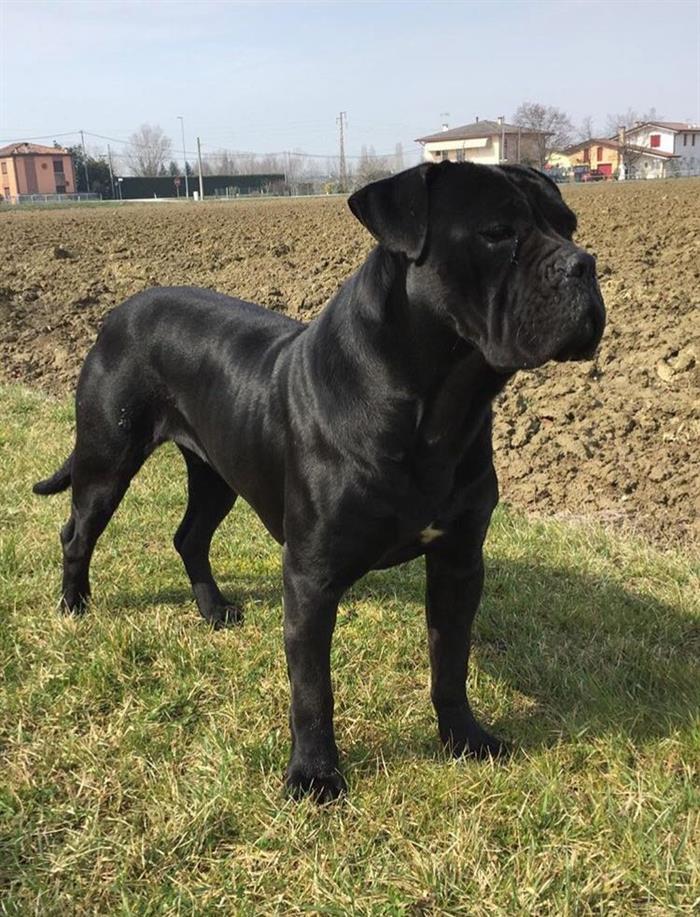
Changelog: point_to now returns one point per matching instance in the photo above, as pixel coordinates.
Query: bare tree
(586, 129)
(628, 119)
(149, 148)
(371, 167)
(556, 129)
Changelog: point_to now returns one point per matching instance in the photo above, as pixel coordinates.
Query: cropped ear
(395, 210)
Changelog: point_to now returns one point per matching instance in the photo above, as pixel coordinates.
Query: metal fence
(53, 198)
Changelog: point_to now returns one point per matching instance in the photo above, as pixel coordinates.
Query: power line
(214, 153)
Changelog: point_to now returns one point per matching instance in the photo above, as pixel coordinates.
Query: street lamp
(184, 154)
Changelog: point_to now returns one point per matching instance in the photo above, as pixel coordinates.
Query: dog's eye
(498, 233)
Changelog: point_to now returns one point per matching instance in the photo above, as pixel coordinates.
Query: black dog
(363, 439)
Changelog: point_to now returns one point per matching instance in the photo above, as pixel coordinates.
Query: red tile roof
(25, 149)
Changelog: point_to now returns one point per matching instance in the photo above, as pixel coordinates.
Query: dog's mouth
(584, 344)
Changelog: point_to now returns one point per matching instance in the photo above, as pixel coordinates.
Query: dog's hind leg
(100, 476)
(209, 500)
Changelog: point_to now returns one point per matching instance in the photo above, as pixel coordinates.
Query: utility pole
(201, 180)
(111, 171)
(184, 155)
(342, 120)
(87, 180)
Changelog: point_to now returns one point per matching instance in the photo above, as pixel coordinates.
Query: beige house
(484, 142)
(27, 168)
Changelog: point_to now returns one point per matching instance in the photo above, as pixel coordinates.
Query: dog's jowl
(362, 439)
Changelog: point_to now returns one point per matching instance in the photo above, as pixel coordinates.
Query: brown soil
(615, 439)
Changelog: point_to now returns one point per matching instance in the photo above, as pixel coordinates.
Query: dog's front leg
(310, 609)
(454, 581)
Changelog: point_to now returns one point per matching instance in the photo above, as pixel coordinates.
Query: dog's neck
(428, 364)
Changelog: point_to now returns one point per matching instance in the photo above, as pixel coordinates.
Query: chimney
(445, 126)
(500, 120)
(621, 134)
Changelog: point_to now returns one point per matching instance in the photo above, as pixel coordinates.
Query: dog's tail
(59, 480)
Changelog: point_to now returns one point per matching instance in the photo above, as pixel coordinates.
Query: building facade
(606, 157)
(484, 142)
(679, 138)
(27, 168)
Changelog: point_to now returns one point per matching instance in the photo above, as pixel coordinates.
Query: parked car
(557, 174)
(594, 175)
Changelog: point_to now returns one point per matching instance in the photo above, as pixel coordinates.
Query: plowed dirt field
(615, 439)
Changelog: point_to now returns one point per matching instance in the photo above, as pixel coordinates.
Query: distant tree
(628, 119)
(98, 172)
(370, 167)
(555, 124)
(188, 169)
(149, 148)
(398, 163)
(586, 129)
(173, 169)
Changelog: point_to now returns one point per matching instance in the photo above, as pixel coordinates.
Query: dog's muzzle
(586, 303)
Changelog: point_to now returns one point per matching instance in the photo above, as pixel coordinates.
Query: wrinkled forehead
(479, 194)
(544, 196)
(501, 194)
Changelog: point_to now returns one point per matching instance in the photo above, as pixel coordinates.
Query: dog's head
(490, 249)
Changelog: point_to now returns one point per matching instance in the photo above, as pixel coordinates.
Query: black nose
(580, 264)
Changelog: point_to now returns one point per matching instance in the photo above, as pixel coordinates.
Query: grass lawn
(141, 753)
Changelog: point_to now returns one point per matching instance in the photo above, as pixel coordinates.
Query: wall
(485, 150)
(33, 173)
(136, 187)
(642, 137)
(8, 178)
(486, 153)
(688, 151)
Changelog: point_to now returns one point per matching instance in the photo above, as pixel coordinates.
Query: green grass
(141, 753)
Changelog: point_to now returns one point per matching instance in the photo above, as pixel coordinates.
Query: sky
(268, 76)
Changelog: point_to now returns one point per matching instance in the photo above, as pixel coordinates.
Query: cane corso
(361, 439)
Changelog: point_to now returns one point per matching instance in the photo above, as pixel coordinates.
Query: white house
(678, 138)
(485, 142)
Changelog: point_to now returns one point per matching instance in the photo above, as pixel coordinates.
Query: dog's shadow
(568, 655)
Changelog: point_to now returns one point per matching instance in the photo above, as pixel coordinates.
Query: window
(693, 142)
(685, 140)
(460, 155)
(58, 165)
(60, 189)
(599, 155)
(655, 140)
(587, 155)
(445, 155)
(7, 193)
(4, 168)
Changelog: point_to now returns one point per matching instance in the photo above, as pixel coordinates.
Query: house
(679, 138)
(27, 168)
(605, 156)
(484, 142)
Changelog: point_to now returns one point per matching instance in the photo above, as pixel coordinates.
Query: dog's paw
(322, 788)
(220, 616)
(479, 744)
(74, 604)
